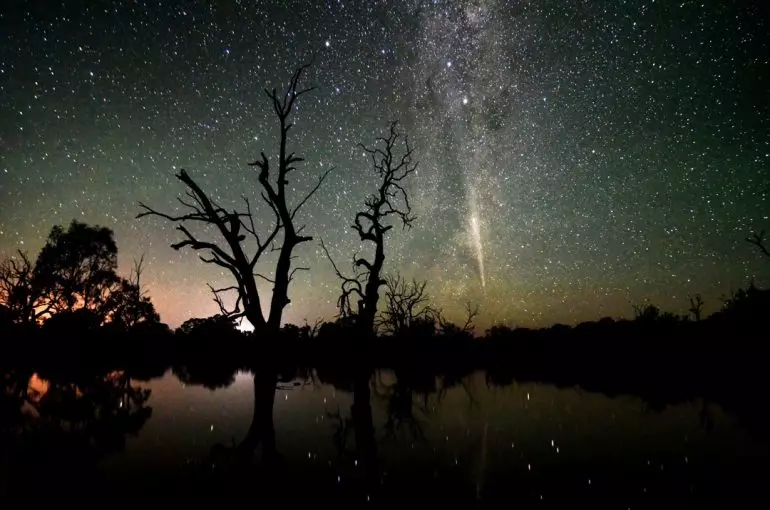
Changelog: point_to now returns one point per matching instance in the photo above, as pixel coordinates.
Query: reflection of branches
(401, 417)
(473, 403)
(343, 429)
(401, 404)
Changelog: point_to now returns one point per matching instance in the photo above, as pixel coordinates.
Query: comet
(475, 237)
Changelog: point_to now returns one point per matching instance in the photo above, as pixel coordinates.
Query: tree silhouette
(468, 328)
(128, 305)
(22, 300)
(696, 306)
(76, 268)
(74, 275)
(746, 306)
(233, 227)
(405, 304)
(217, 326)
(391, 200)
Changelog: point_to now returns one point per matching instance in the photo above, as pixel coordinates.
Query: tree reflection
(212, 376)
(57, 425)
(363, 423)
(402, 410)
(262, 429)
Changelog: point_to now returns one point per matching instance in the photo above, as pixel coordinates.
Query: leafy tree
(74, 271)
(216, 326)
(746, 306)
(76, 268)
(79, 322)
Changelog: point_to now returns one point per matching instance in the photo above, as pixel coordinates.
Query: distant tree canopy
(74, 272)
(746, 306)
(216, 326)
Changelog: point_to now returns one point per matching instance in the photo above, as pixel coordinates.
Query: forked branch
(758, 240)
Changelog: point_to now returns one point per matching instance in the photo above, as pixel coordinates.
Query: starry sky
(576, 157)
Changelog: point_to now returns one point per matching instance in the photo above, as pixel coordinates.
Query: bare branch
(321, 179)
(258, 275)
(470, 314)
(406, 303)
(758, 240)
(293, 271)
(236, 312)
(696, 306)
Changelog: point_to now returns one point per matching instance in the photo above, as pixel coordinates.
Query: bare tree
(128, 304)
(390, 202)
(234, 227)
(758, 240)
(696, 306)
(18, 290)
(405, 303)
(471, 312)
(468, 327)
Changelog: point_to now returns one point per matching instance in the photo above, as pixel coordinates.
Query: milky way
(575, 158)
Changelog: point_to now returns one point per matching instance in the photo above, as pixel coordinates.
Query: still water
(470, 442)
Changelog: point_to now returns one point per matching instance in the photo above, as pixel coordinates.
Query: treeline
(71, 305)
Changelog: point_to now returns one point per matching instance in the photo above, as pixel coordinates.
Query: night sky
(575, 157)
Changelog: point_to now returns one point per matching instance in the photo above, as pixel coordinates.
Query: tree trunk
(262, 428)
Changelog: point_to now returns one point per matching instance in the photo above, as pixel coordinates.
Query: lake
(399, 439)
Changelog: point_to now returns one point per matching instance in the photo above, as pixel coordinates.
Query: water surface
(466, 442)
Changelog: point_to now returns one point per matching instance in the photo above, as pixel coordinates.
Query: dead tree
(233, 227)
(19, 291)
(696, 306)
(405, 304)
(389, 205)
(758, 240)
(471, 312)
(468, 328)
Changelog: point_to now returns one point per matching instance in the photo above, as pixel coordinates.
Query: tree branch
(759, 241)
(321, 179)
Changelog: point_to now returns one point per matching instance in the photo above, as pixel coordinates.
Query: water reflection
(380, 437)
(66, 426)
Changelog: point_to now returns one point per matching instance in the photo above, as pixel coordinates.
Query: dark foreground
(401, 437)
